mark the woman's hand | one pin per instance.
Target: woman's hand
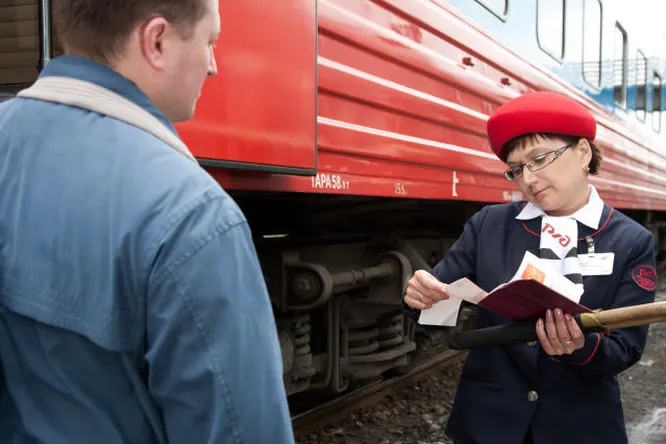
(560, 334)
(423, 290)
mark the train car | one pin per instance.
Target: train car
(351, 133)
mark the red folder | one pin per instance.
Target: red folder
(527, 298)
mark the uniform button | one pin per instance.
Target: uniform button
(532, 396)
(532, 343)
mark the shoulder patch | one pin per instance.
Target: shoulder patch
(645, 276)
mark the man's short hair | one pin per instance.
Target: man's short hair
(100, 28)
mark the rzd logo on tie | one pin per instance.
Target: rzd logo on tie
(562, 239)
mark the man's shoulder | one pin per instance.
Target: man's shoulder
(178, 191)
(145, 171)
(145, 181)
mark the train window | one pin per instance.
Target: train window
(550, 27)
(656, 102)
(497, 7)
(641, 83)
(592, 42)
(620, 66)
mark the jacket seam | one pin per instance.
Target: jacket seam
(217, 231)
(177, 218)
(214, 362)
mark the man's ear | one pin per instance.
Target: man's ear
(152, 36)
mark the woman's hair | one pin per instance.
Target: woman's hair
(521, 141)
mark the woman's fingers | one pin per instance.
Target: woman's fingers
(423, 290)
(563, 336)
(551, 330)
(543, 337)
(577, 336)
(559, 334)
(416, 299)
(429, 286)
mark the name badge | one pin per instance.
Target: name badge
(596, 264)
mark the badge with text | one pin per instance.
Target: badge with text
(596, 264)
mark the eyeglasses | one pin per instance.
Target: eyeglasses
(536, 163)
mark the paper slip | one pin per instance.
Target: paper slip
(443, 313)
(533, 267)
(466, 290)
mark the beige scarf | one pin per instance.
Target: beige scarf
(86, 95)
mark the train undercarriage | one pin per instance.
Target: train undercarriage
(336, 269)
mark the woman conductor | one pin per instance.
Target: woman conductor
(563, 388)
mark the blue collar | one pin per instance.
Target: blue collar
(88, 70)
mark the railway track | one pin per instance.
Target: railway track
(372, 394)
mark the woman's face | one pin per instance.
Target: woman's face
(559, 185)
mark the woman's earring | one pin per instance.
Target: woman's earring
(587, 168)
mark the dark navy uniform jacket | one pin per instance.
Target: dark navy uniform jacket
(508, 393)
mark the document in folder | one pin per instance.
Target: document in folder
(532, 290)
(527, 298)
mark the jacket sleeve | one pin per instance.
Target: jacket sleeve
(214, 360)
(616, 351)
(460, 259)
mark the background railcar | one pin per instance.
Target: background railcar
(351, 132)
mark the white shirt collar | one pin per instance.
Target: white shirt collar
(589, 215)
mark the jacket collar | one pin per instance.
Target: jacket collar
(82, 68)
(590, 215)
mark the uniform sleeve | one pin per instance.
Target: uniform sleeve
(460, 259)
(215, 366)
(614, 352)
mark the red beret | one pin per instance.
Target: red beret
(539, 112)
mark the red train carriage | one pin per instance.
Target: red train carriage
(351, 132)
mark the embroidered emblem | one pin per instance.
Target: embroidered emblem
(645, 276)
